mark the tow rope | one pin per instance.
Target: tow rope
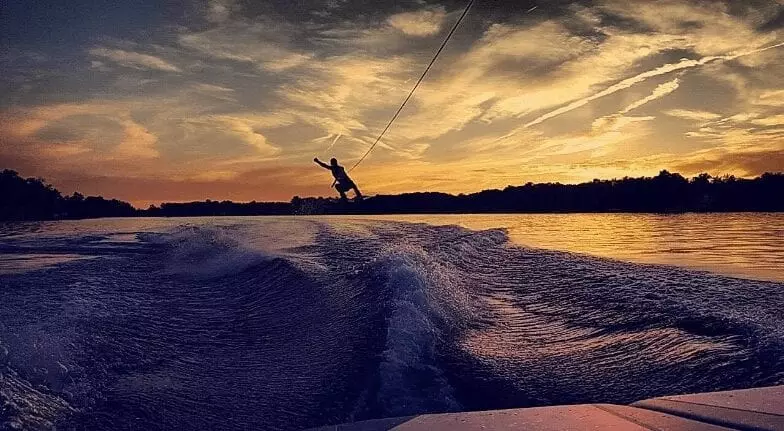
(421, 78)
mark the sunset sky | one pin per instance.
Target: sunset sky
(151, 101)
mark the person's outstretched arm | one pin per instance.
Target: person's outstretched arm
(320, 163)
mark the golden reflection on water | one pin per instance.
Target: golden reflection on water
(748, 245)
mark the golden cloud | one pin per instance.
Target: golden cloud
(426, 22)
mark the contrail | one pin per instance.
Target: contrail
(660, 91)
(334, 141)
(608, 121)
(626, 83)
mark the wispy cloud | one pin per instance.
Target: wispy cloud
(134, 60)
(771, 98)
(773, 120)
(245, 129)
(692, 115)
(255, 43)
(660, 91)
(220, 10)
(642, 77)
(421, 23)
(138, 142)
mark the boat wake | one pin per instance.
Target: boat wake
(303, 322)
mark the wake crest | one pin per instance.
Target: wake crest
(410, 376)
(207, 252)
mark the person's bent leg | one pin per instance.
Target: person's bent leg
(357, 192)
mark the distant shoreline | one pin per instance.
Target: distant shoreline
(668, 193)
(358, 213)
(143, 216)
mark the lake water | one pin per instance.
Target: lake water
(741, 244)
(294, 322)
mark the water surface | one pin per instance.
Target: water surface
(740, 244)
(228, 323)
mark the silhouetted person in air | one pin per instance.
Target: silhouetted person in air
(342, 181)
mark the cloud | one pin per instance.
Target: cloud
(642, 77)
(742, 117)
(85, 141)
(692, 115)
(771, 98)
(338, 94)
(425, 22)
(660, 91)
(220, 10)
(746, 161)
(271, 120)
(616, 122)
(138, 142)
(245, 129)
(703, 27)
(133, 60)
(773, 120)
(255, 43)
(604, 136)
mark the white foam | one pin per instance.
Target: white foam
(411, 381)
(208, 252)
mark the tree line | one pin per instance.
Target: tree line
(34, 199)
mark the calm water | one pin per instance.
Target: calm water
(740, 244)
(229, 323)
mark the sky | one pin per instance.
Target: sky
(179, 100)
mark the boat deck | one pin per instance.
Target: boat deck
(747, 409)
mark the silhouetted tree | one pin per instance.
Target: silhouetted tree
(32, 198)
(27, 198)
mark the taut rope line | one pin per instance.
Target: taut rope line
(421, 78)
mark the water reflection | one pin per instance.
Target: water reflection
(749, 245)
